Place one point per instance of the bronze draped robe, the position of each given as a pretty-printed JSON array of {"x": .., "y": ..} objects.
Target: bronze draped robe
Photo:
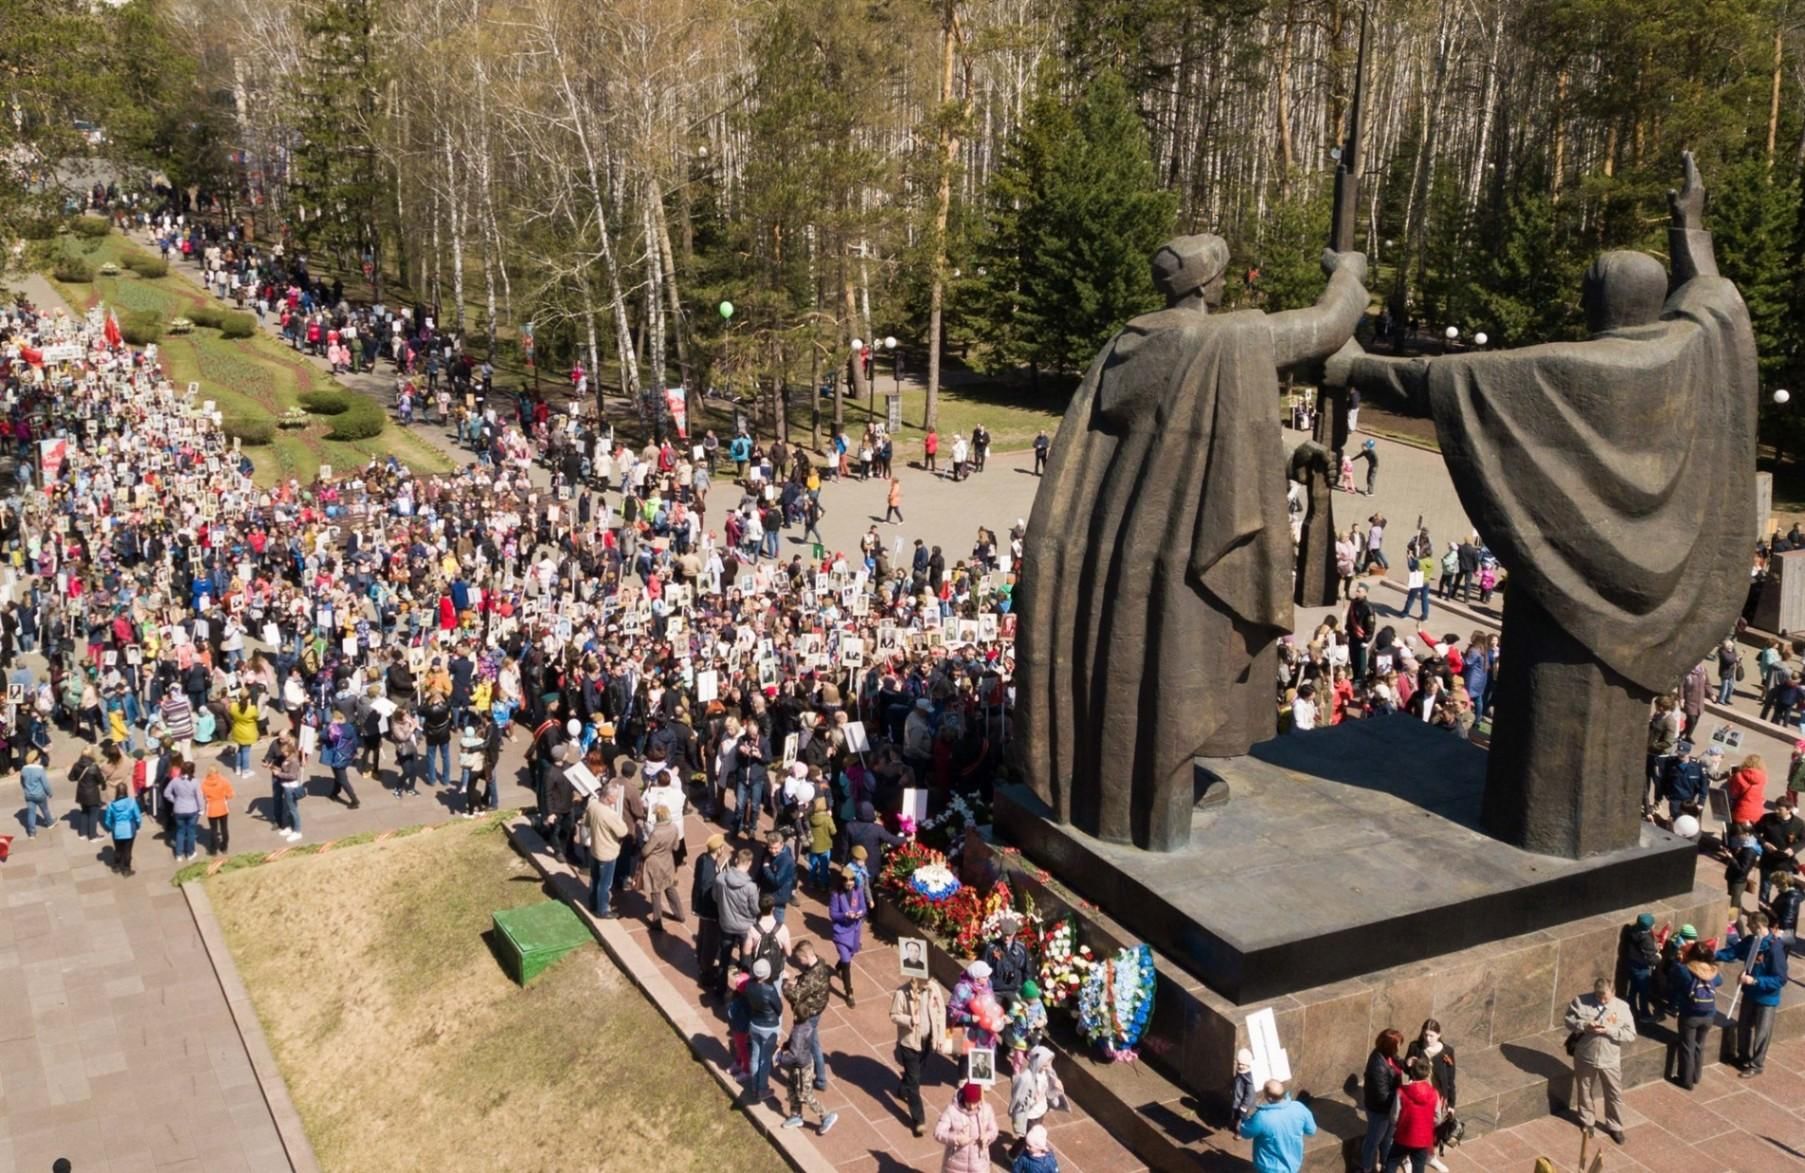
[
  {"x": 1156, "y": 576},
  {"x": 1614, "y": 479}
]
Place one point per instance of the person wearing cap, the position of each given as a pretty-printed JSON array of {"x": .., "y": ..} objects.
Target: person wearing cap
[
  {"x": 1683, "y": 783},
  {"x": 1008, "y": 959},
  {"x": 1037, "y": 1153},
  {"x": 1637, "y": 956},
  {"x": 765, "y": 1008},
  {"x": 967, "y": 1129},
  {"x": 714, "y": 857}
]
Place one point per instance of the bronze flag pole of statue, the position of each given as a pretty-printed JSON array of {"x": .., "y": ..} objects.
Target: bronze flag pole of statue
[
  {"x": 1614, "y": 479},
  {"x": 1156, "y": 577}
]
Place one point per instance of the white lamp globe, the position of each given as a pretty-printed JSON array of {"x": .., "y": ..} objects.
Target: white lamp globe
[
  {"x": 1453, "y": 333},
  {"x": 858, "y": 344},
  {"x": 1480, "y": 339},
  {"x": 889, "y": 342},
  {"x": 1782, "y": 396}
]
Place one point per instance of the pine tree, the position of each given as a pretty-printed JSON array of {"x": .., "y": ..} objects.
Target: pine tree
[
  {"x": 336, "y": 178},
  {"x": 1075, "y": 213}
]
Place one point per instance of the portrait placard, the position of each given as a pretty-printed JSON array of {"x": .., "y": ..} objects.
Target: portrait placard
[{"x": 912, "y": 957}]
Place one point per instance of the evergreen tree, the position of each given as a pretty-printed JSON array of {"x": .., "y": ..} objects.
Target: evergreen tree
[
  {"x": 337, "y": 181},
  {"x": 1289, "y": 257},
  {"x": 1751, "y": 220},
  {"x": 1074, "y": 214}
]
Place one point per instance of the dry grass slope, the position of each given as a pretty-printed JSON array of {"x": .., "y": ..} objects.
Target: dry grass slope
[{"x": 406, "y": 1046}]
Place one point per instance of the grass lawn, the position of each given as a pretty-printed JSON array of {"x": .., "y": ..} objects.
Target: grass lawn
[
  {"x": 406, "y": 1046},
  {"x": 255, "y": 377}
]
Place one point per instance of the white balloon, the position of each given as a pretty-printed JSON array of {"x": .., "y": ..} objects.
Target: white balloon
[
  {"x": 1782, "y": 395},
  {"x": 1686, "y": 827},
  {"x": 573, "y": 727}
]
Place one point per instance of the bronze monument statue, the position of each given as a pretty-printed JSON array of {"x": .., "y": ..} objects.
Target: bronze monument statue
[
  {"x": 1613, "y": 478},
  {"x": 1157, "y": 575}
]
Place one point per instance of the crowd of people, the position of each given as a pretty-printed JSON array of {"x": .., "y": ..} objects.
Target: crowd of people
[{"x": 212, "y": 645}]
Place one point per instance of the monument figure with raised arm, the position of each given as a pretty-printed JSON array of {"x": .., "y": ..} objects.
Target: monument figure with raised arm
[
  {"x": 1157, "y": 575},
  {"x": 1613, "y": 478}
]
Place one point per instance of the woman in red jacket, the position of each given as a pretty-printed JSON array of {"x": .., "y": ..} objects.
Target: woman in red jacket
[
  {"x": 1748, "y": 790},
  {"x": 1413, "y": 1113}
]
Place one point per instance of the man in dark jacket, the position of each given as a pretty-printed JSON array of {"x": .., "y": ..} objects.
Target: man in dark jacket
[
  {"x": 778, "y": 876},
  {"x": 1637, "y": 956},
  {"x": 1008, "y": 961},
  {"x": 807, "y": 991},
  {"x": 865, "y": 831},
  {"x": 435, "y": 725},
  {"x": 1782, "y": 833},
  {"x": 1684, "y": 782},
  {"x": 708, "y": 916}
]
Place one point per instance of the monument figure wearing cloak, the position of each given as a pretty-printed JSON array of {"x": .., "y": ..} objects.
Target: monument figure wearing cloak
[
  {"x": 1614, "y": 479},
  {"x": 1156, "y": 577}
]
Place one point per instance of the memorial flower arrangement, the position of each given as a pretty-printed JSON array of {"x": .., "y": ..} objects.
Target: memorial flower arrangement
[
  {"x": 946, "y": 830},
  {"x": 1116, "y": 1001},
  {"x": 934, "y": 882},
  {"x": 1064, "y": 964}
]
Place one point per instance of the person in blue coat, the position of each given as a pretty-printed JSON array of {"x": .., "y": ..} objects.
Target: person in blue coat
[
  {"x": 1278, "y": 1128},
  {"x": 1683, "y": 782},
  {"x": 123, "y": 819},
  {"x": 1763, "y": 955},
  {"x": 778, "y": 876}
]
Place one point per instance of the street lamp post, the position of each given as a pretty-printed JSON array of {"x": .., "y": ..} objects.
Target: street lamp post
[{"x": 895, "y": 359}]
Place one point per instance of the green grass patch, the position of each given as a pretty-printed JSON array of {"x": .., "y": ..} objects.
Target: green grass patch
[{"x": 327, "y": 402}]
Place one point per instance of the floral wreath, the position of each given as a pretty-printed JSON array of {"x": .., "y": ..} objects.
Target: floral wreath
[{"x": 1116, "y": 1001}]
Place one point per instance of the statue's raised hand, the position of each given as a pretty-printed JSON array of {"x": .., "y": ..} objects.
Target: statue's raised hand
[{"x": 1687, "y": 205}]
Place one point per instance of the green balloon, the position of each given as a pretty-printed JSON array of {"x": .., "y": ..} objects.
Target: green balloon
[{"x": 726, "y": 309}]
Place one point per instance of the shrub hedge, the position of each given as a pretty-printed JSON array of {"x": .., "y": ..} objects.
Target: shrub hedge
[
  {"x": 361, "y": 420},
  {"x": 73, "y": 270},
  {"x": 234, "y": 324},
  {"x": 147, "y": 266},
  {"x": 140, "y": 327},
  {"x": 326, "y": 402},
  {"x": 207, "y": 315},
  {"x": 251, "y": 432},
  {"x": 92, "y": 227}
]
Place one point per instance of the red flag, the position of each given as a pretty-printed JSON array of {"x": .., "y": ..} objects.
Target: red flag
[
  {"x": 32, "y": 356},
  {"x": 113, "y": 338}
]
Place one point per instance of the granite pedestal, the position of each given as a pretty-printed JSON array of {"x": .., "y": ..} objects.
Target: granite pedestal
[{"x": 1340, "y": 852}]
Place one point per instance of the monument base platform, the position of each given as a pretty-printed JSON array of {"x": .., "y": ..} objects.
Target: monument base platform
[
  {"x": 1340, "y": 852},
  {"x": 1500, "y": 1005}
]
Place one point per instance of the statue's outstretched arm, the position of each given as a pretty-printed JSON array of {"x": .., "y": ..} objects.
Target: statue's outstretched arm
[
  {"x": 1313, "y": 334},
  {"x": 1687, "y": 241}
]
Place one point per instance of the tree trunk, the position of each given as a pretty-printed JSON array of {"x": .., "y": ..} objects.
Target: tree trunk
[{"x": 943, "y": 197}]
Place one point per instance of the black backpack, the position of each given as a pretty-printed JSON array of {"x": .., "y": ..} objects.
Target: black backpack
[{"x": 770, "y": 949}]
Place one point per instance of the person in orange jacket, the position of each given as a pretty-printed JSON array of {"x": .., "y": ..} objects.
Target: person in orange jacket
[{"x": 217, "y": 795}]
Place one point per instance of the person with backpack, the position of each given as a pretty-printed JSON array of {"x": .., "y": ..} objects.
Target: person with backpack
[
  {"x": 767, "y": 940},
  {"x": 1693, "y": 986}
]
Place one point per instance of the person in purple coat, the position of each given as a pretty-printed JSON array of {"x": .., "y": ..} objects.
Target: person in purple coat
[{"x": 847, "y": 910}]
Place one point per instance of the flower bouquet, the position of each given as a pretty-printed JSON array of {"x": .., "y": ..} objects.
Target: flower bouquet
[
  {"x": 934, "y": 882},
  {"x": 1116, "y": 1001},
  {"x": 971, "y": 918},
  {"x": 1064, "y": 964}
]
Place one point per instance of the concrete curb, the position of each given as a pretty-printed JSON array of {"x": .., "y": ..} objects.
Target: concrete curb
[
  {"x": 250, "y": 1032},
  {"x": 794, "y": 1144}
]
